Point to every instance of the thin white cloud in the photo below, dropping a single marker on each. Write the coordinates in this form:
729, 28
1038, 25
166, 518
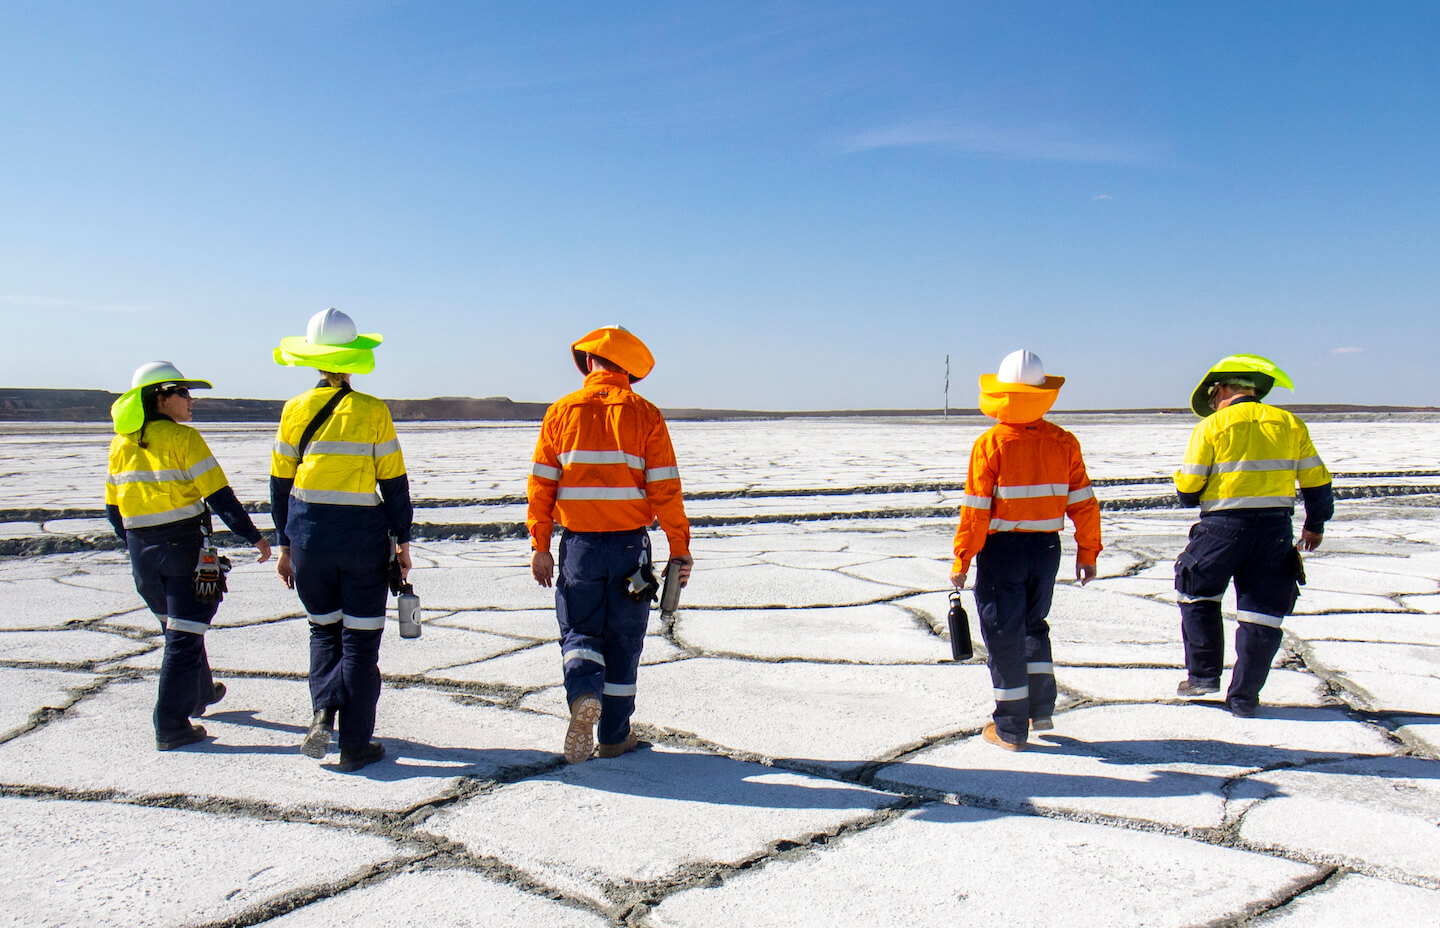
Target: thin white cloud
1015, 144
1103, 196
1346, 350
59, 304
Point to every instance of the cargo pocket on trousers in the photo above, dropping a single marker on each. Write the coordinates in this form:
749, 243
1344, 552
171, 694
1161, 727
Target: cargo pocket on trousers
1184, 572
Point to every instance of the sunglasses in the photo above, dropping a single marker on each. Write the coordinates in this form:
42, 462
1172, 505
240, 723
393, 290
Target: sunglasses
177, 391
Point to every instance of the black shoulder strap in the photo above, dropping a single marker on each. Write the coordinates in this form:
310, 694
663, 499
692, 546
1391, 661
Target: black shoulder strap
319, 420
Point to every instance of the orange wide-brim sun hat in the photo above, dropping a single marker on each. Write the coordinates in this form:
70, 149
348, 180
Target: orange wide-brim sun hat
617, 345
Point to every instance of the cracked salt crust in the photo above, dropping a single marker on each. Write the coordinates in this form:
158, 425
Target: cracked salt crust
437, 899
942, 866
1336, 712
697, 809
95, 863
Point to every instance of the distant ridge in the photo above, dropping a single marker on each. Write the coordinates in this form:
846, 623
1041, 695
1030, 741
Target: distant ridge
19, 404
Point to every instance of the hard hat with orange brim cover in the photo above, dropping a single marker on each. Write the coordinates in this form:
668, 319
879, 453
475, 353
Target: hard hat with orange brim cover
1019, 391
617, 345
1260, 371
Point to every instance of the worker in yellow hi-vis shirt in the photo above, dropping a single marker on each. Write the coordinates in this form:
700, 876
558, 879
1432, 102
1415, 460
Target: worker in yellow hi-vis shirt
161, 486
1241, 468
338, 494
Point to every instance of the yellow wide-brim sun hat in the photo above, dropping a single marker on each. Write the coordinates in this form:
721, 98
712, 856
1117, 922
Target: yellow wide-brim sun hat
1262, 371
617, 345
330, 343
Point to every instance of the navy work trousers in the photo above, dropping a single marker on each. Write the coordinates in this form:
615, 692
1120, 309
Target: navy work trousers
1258, 551
602, 630
1014, 585
344, 593
163, 565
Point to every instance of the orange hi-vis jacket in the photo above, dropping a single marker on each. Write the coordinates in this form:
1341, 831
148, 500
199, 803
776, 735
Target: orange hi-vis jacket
604, 463
1026, 477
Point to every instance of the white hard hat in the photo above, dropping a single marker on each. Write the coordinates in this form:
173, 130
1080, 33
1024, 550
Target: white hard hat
162, 372
1022, 367
330, 327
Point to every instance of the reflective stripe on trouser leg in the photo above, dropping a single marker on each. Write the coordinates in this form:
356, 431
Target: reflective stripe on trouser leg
335, 586
1202, 572
1041, 675
601, 628
1265, 592
360, 686
1014, 584
179, 686
624, 640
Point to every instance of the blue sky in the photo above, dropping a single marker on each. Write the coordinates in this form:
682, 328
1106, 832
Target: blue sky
797, 205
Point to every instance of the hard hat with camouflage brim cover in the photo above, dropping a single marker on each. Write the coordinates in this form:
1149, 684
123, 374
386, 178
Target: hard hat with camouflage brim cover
1262, 371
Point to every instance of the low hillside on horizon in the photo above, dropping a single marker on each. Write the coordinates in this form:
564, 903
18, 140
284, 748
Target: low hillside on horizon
23, 404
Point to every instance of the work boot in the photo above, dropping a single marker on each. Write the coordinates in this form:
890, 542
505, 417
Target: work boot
196, 733
350, 761
992, 735
317, 739
217, 694
1241, 708
1042, 724
580, 736
615, 750
1189, 687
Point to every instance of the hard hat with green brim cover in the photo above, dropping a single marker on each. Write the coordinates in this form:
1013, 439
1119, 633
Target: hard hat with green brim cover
128, 412
1261, 371
617, 345
329, 344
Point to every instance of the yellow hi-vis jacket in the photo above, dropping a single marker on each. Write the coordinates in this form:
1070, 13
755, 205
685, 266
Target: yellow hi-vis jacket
165, 481
1249, 456
604, 463
348, 454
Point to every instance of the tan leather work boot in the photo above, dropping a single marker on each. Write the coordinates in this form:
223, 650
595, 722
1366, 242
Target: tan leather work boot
580, 736
615, 750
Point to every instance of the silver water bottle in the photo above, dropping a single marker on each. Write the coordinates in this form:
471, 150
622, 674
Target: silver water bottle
670, 597
407, 605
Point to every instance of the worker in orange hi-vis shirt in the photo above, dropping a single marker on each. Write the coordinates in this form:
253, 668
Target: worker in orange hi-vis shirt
604, 470
1026, 475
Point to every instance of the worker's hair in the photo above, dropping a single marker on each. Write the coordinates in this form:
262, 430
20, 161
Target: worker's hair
606, 365
1239, 383
332, 378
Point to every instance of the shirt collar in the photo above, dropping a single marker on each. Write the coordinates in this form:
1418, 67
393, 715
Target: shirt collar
599, 378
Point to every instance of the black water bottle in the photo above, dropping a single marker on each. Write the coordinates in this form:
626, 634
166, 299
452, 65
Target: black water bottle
959, 622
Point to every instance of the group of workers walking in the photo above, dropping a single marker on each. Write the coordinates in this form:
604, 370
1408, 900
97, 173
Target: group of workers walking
604, 469
1241, 468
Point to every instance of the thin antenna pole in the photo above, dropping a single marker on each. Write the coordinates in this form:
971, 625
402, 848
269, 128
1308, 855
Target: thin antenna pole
947, 386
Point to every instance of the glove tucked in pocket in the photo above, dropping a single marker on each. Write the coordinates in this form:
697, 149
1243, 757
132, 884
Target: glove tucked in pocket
210, 575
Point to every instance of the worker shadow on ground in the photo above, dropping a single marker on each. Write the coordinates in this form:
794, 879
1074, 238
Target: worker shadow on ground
1220, 754
408, 760
1324, 713
404, 759
715, 780
1145, 770
719, 780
